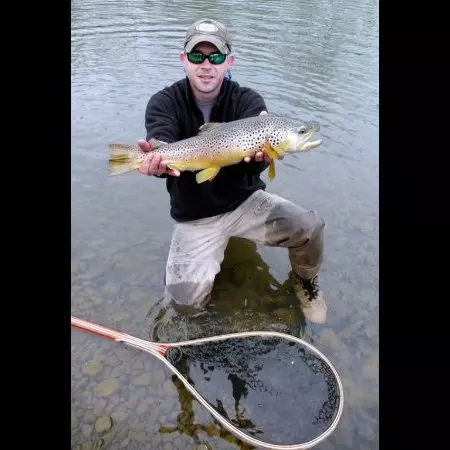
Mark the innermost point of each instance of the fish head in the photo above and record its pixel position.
(293, 137)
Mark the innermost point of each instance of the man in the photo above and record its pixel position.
(234, 203)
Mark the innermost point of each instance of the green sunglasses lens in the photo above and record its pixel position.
(214, 58)
(217, 58)
(196, 58)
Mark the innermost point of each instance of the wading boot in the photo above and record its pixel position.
(311, 299)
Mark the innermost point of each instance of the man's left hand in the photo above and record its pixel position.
(260, 155)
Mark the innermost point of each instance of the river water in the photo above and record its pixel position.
(312, 59)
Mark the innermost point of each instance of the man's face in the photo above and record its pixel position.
(206, 78)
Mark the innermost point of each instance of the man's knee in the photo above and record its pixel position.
(306, 245)
(292, 226)
(308, 224)
(187, 295)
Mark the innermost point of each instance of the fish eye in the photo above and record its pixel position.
(302, 130)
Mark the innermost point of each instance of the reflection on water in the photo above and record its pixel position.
(244, 379)
(246, 296)
(309, 59)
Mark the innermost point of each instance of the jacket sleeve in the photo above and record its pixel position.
(160, 118)
(251, 104)
(161, 121)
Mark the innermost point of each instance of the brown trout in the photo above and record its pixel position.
(222, 144)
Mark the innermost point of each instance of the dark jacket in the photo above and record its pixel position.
(172, 115)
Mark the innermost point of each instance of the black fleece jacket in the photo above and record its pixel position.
(172, 115)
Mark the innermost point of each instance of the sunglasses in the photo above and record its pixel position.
(213, 58)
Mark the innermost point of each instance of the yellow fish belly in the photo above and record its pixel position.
(207, 165)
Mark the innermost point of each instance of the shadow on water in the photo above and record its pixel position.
(245, 297)
(252, 381)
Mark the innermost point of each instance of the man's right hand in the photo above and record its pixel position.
(152, 164)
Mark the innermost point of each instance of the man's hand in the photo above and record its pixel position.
(260, 155)
(152, 164)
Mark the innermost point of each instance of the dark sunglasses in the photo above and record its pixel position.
(213, 58)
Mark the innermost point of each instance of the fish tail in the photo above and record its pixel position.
(121, 159)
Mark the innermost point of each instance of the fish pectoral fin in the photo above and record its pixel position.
(208, 126)
(207, 174)
(270, 150)
(271, 170)
(274, 155)
(282, 148)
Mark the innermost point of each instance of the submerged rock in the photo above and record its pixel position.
(93, 367)
(143, 380)
(107, 387)
(103, 424)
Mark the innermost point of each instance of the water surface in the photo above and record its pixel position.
(309, 59)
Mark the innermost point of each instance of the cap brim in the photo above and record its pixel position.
(214, 40)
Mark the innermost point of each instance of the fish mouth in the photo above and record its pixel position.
(309, 145)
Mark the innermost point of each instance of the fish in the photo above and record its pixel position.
(221, 144)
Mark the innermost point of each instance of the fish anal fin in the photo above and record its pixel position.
(207, 174)
(178, 165)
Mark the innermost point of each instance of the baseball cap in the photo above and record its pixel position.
(208, 30)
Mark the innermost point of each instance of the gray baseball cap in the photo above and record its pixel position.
(208, 30)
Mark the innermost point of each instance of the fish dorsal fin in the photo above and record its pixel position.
(155, 143)
(208, 126)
